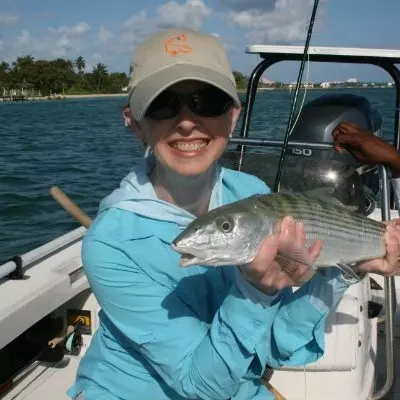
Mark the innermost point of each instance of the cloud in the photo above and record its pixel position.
(172, 14)
(137, 28)
(105, 34)
(8, 19)
(271, 22)
(55, 42)
(241, 5)
(79, 29)
(24, 39)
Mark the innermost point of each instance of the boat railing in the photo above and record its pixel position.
(15, 268)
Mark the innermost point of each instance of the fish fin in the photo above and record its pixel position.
(291, 253)
(290, 267)
(348, 270)
(374, 284)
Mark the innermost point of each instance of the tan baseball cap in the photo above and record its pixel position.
(175, 55)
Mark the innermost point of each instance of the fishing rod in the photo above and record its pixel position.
(289, 127)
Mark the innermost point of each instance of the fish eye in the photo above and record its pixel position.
(225, 224)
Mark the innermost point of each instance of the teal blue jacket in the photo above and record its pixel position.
(187, 333)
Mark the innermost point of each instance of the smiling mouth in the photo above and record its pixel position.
(189, 146)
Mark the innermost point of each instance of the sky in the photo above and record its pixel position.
(108, 31)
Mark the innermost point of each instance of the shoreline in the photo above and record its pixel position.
(92, 95)
(18, 99)
(105, 95)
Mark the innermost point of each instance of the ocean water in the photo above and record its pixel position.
(82, 146)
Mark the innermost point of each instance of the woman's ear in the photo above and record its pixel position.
(134, 125)
(127, 115)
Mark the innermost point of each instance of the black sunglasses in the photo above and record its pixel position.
(208, 102)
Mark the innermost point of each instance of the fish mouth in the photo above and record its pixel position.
(200, 257)
(187, 259)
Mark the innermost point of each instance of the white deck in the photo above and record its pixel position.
(46, 381)
(52, 381)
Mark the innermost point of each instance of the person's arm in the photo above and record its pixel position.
(366, 147)
(369, 149)
(196, 360)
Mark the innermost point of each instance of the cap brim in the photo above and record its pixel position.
(148, 89)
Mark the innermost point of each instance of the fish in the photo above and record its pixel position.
(232, 234)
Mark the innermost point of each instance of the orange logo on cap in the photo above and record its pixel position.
(175, 45)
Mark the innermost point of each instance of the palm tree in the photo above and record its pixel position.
(23, 62)
(80, 63)
(4, 67)
(100, 74)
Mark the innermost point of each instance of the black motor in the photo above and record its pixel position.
(325, 173)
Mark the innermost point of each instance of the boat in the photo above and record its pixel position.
(48, 313)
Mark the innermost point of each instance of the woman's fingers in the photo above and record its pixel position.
(315, 249)
(389, 265)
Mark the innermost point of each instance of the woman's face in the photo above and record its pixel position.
(187, 143)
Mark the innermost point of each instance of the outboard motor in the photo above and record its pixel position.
(326, 174)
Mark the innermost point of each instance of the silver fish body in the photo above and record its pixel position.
(232, 234)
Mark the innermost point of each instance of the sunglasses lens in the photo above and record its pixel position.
(165, 106)
(210, 102)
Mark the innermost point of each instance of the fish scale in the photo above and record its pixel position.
(347, 236)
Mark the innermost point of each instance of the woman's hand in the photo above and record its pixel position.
(390, 264)
(266, 271)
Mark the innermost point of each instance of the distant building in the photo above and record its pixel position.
(305, 85)
(266, 82)
(325, 85)
(352, 80)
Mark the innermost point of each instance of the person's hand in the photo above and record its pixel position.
(390, 264)
(266, 272)
(366, 147)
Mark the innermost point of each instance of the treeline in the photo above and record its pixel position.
(241, 80)
(63, 76)
(59, 76)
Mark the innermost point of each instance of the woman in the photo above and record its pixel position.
(201, 333)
